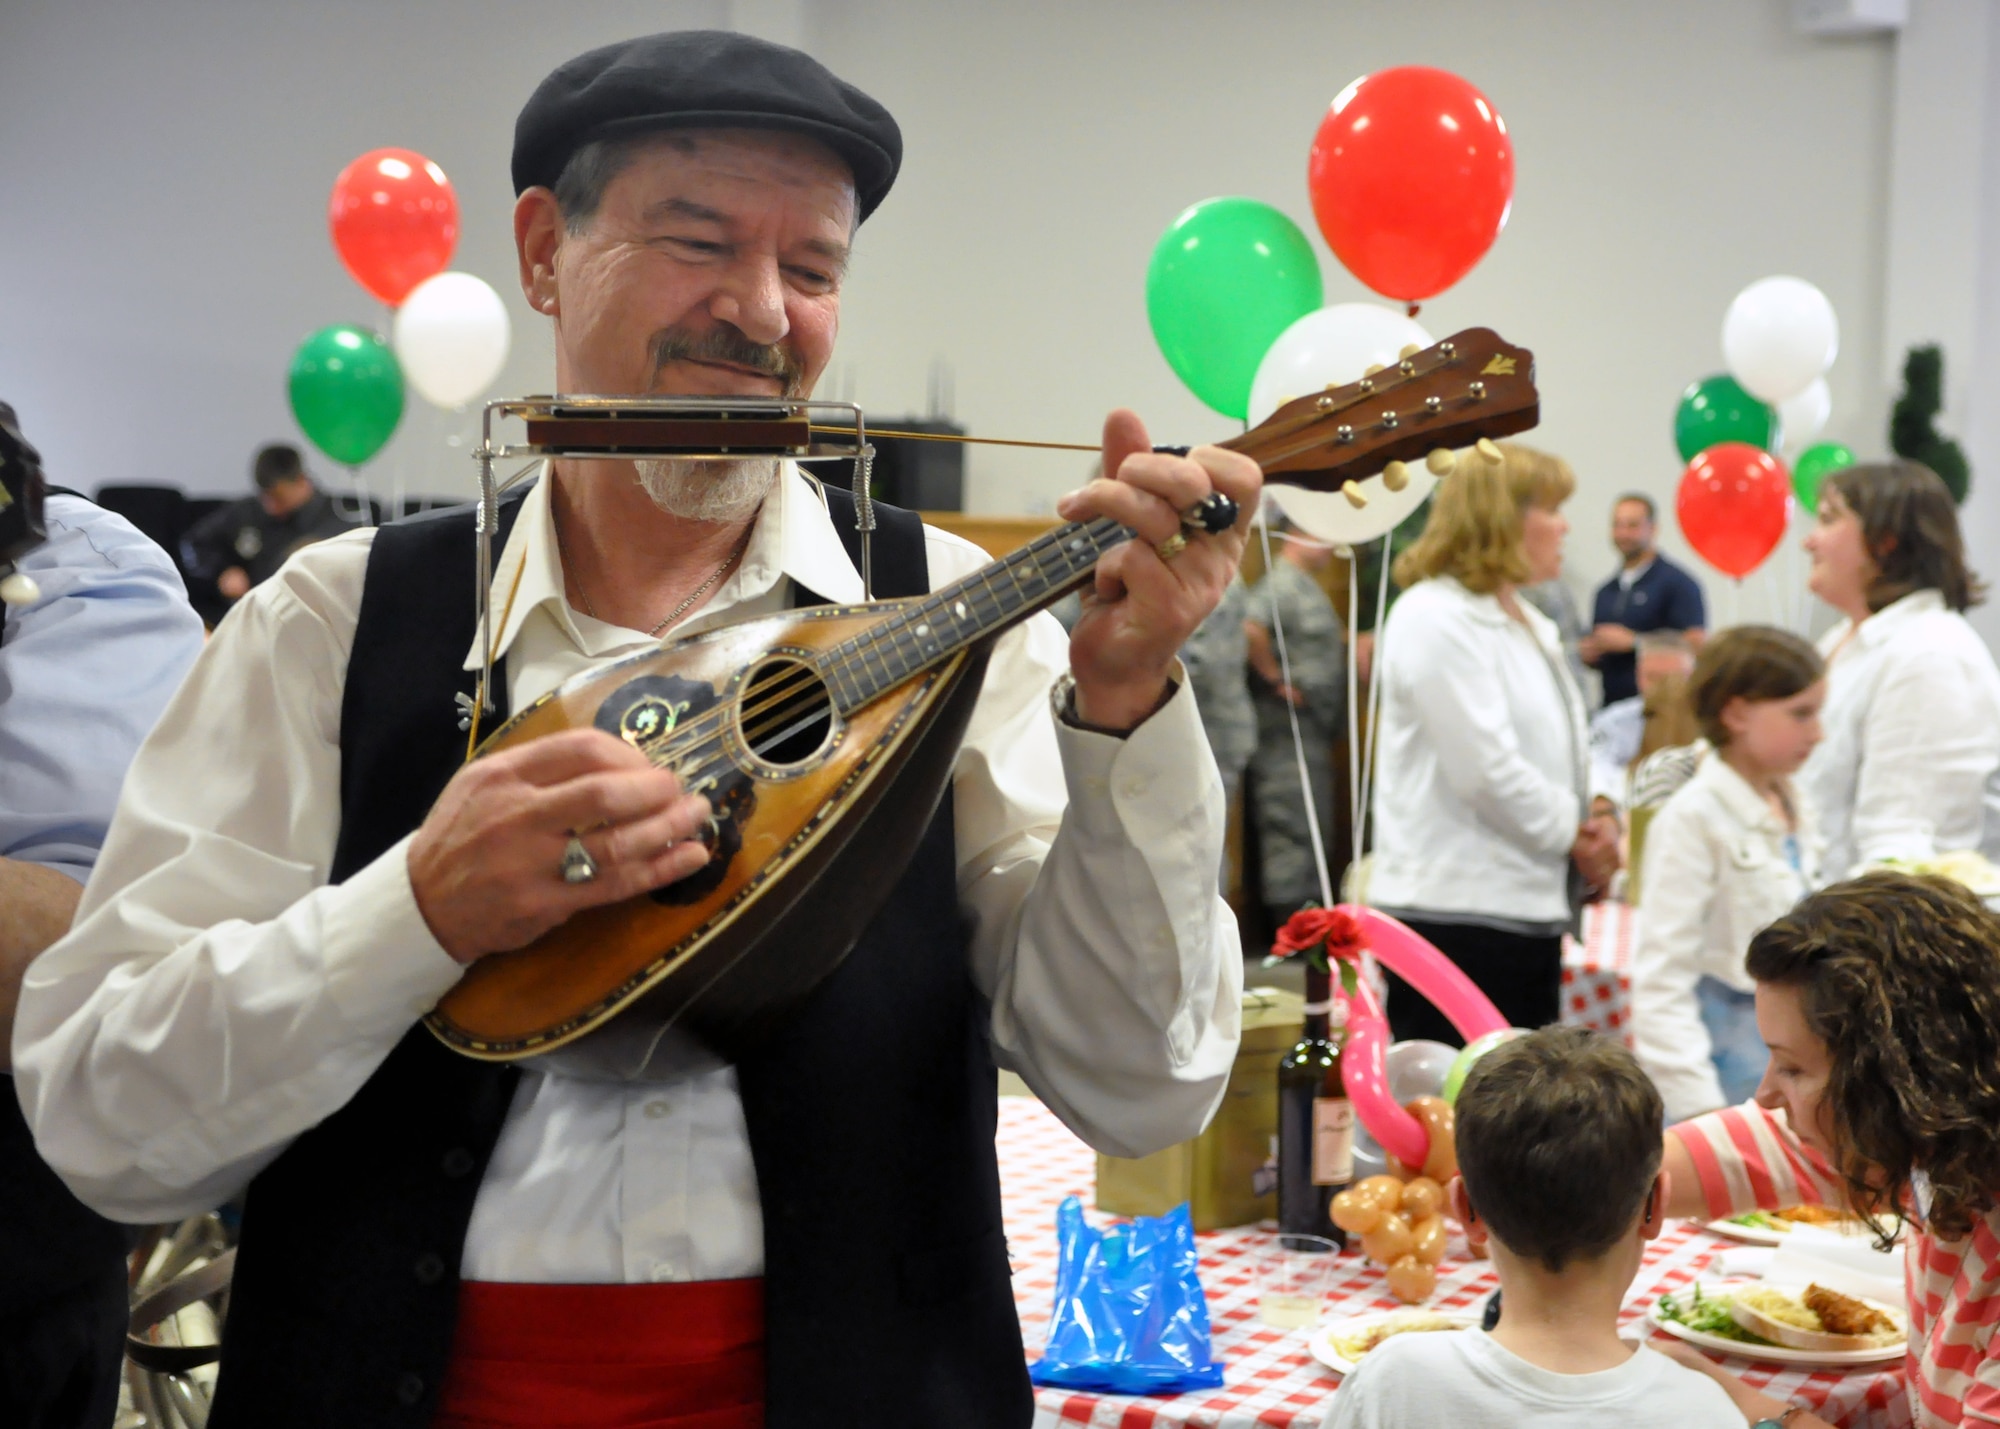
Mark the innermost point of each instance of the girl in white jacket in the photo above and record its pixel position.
(1729, 853)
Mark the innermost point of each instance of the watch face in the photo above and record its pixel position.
(249, 541)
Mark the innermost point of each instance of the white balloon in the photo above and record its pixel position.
(1779, 334)
(1328, 347)
(1804, 416)
(451, 336)
(1332, 346)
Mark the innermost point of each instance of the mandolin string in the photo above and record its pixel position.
(851, 654)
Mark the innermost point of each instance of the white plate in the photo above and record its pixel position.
(1322, 1348)
(1773, 1354)
(1753, 1235)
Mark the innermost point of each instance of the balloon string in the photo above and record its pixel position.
(1298, 739)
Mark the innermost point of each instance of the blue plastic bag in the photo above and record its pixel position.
(1130, 1316)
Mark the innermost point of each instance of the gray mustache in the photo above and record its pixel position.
(726, 344)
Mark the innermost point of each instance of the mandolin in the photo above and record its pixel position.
(824, 738)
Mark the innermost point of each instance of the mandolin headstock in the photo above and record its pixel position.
(1473, 384)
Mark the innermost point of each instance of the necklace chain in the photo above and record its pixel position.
(562, 553)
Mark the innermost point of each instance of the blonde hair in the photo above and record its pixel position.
(1474, 530)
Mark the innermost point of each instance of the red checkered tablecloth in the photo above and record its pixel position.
(1270, 1380)
(1597, 971)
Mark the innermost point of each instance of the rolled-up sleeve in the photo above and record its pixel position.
(1087, 864)
(84, 673)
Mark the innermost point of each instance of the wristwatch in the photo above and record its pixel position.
(1783, 1421)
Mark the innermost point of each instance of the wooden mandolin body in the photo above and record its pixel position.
(809, 839)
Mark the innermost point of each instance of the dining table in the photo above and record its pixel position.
(1269, 1376)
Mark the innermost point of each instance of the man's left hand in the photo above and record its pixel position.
(1143, 607)
(1613, 639)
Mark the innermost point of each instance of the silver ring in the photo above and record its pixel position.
(577, 864)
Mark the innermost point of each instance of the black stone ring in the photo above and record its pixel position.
(1214, 513)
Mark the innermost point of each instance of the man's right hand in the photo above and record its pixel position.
(486, 865)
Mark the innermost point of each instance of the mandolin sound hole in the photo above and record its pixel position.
(786, 712)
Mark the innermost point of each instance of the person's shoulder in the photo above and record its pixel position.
(1664, 1392)
(1672, 572)
(85, 535)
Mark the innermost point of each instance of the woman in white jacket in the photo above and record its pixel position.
(1911, 763)
(1730, 853)
(1482, 803)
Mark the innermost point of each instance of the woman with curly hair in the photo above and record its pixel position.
(1880, 1001)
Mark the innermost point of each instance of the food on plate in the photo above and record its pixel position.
(1967, 866)
(1411, 1281)
(1390, 1241)
(1783, 1220)
(1843, 1314)
(1403, 1322)
(1817, 1319)
(1708, 1314)
(1422, 1199)
(1427, 1239)
(1354, 1213)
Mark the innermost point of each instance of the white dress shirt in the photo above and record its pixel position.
(1910, 765)
(1717, 872)
(217, 996)
(1480, 786)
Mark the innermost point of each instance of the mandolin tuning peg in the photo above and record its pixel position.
(1441, 461)
(1396, 475)
(1492, 453)
(1373, 368)
(1408, 352)
(1356, 497)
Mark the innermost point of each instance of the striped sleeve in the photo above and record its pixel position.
(1747, 1159)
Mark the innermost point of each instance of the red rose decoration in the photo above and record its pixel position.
(1332, 928)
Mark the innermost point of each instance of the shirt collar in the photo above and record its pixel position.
(1744, 803)
(794, 538)
(1631, 575)
(1884, 623)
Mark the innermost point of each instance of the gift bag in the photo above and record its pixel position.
(1129, 1316)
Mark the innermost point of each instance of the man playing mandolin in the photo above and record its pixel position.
(811, 1235)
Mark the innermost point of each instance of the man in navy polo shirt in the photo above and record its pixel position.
(1649, 593)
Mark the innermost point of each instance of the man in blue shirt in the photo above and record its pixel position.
(84, 672)
(1649, 593)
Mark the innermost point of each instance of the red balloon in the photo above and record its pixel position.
(394, 220)
(1734, 505)
(1412, 174)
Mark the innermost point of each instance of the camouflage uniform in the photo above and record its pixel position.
(1315, 642)
(1217, 661)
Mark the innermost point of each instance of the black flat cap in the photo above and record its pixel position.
(703, 79)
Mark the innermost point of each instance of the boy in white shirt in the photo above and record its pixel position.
(1559, 1173)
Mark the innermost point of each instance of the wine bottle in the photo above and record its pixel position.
(1315, 1118)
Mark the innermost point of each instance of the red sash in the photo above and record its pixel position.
(606, 1357)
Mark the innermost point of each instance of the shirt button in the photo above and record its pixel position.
(429, 1268)
(1134, 788)
(457, 1162)
(409, 1389)
(657, 1110)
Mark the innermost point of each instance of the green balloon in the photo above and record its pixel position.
(1716, 409)
(1227, 277)
(1815, 464)
(347, 391)
(1472, 1052)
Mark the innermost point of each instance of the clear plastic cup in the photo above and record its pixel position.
(1294, 1274)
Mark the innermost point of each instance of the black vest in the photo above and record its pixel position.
(871, 1116)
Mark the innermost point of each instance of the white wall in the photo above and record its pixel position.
(164, 246)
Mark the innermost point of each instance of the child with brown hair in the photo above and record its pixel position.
(1732, 850)
(1558, 1138)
